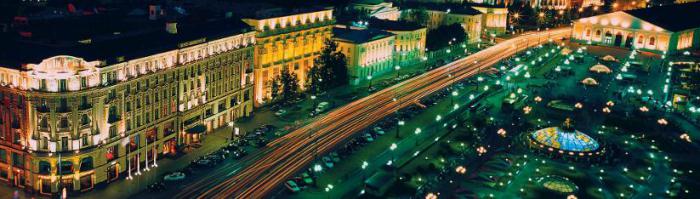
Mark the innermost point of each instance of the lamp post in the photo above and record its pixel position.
(397, 68)
(369, 77)
(392, 148)
(417, 132)
(398, 127)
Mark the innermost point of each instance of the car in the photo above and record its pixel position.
(322, 107)
(327, 161)
(174, 176)
(292, 186)
(238, 154)
(205, 162)
(335, 157)
(306, 178)
(368, 137)
(372, 89)
(281, 112)
(379, 130)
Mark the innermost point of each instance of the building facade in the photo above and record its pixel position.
(410, 39)
(369, 52)
(70, 123)
(287, 40)
(377, 9)
(651, 29)
(494, 19)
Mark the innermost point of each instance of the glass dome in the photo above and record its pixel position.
(557, 138)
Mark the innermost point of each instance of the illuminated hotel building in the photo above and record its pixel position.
(78, 113)
(655, 29)
(287, 40)
(369, 52)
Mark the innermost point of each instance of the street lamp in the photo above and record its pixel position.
(418, 131)
(397, 68)
(392, 148)
(400, 123)
(369, 77)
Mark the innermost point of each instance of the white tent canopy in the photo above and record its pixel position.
(609, 58)
(600, 68)
(589, 82)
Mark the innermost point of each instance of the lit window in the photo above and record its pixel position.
(652, 40)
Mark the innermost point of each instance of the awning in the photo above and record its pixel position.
(197, 129)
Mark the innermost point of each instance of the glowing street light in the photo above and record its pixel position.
(527, 109)
(501, 132)
(662, 122)
(538, 99)
(578, 105)
(461, 170)
(685, 137)
(644, 109)
(481, 150)
(431, 196)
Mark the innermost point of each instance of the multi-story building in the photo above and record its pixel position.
(377, 9)
(494, 18)
(410, 39)
(369, 52)
(287, 40)
(655, 29)
(477, 19)
(81, 109)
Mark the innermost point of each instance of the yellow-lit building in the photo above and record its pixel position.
(469, 18)
(478, 20)
(410, 39)
(107, 107)
(494, 18)
(287, 40)
(656, 29)
(377, 8)
(369, 52)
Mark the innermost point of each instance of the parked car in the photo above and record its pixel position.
(156, 187)
(368, 137)
(335, 157)
(174, 176)
(292, 186)
(378, 130)
(281, 112)
(327, 161)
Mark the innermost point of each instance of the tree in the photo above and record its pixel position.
(418, 15)
(275, 90)
(313, 80)
(331, 67)
(443, 35)
(290, 86)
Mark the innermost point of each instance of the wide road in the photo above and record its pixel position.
(287, 155)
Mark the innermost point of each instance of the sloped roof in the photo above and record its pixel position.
(675, 17)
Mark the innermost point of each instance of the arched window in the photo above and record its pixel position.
(597, 33)
(588, 32)
(640, 40)
(652, 40)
